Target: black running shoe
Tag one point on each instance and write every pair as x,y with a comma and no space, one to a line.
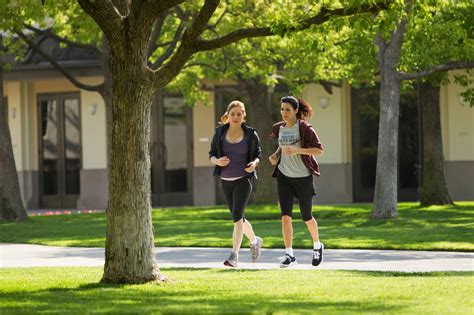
287,261
318,255
232,261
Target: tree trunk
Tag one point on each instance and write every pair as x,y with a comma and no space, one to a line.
130,251
11,206
260,117
434,190
386,179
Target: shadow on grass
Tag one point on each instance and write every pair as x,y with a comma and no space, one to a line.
202,290
160,298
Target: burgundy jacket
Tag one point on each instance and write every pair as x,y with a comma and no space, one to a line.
309,139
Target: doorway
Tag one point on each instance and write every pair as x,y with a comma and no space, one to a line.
171,151
60,149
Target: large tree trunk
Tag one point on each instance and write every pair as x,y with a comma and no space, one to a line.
11,206
386,179
260,117
434,190
130,252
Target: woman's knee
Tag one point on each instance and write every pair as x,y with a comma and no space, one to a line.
239,221
286,219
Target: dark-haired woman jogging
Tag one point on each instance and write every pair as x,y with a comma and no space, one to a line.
295,166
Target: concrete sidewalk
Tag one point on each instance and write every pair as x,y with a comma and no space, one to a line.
23,256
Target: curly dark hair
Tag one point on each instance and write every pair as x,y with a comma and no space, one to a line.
304,109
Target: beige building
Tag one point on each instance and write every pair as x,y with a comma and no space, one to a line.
59,141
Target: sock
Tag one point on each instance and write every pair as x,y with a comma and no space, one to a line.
255,241
289,251
317,245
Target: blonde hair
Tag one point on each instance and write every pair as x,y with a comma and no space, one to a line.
233,104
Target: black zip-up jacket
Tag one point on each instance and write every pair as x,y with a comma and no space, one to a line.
253,152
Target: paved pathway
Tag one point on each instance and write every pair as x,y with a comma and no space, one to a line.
22,255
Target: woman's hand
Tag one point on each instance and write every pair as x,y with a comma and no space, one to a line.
273,159
223,161
251,167
290,150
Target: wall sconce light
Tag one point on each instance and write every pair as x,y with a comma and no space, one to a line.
92,109
13,112
324,102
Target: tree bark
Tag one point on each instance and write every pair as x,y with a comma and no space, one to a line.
434,190
11,205
130,251
130,254
386,179
260,117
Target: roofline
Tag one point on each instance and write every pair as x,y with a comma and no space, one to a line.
44,70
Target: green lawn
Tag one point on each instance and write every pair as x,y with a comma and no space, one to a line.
76,290
342,226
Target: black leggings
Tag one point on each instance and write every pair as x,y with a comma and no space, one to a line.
237,193
301,188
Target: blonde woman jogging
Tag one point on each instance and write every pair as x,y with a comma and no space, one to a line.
235,152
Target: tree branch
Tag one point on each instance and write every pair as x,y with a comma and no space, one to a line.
92,88
397,36
170,49
152,46
166,73
105,14
154,7
200,22
439,68
145,9
323,16
212,26
50,34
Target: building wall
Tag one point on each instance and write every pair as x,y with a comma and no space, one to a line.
204,188
23,126
331,120
23,120
94,181
457,123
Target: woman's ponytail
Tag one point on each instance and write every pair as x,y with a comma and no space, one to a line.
304,110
